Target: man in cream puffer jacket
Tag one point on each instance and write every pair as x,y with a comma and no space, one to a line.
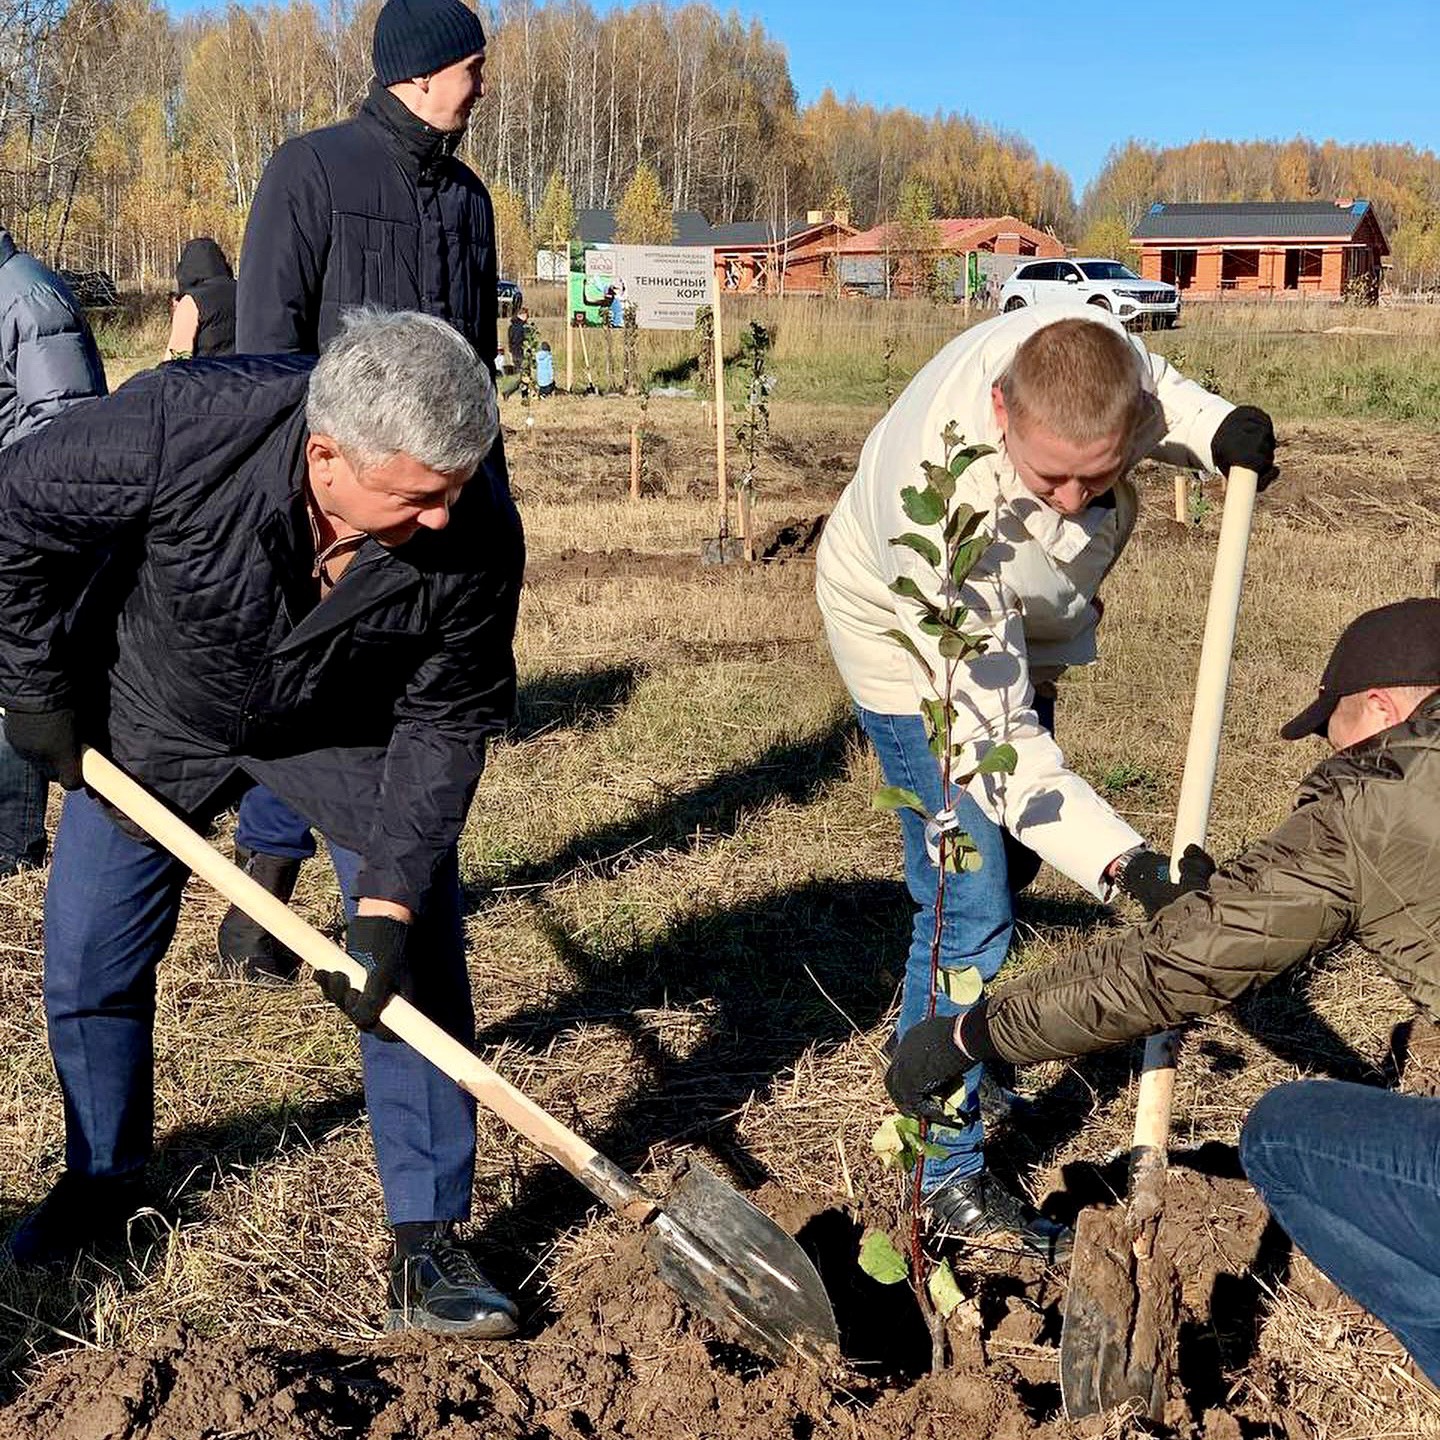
1070,402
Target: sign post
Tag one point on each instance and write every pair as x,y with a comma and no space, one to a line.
722,488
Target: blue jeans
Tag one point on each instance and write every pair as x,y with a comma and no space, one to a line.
110,913
267,824
22,811
978,921
1353,1175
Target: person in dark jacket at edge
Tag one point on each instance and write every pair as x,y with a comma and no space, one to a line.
48,362
1351,1172
324,569
376,211
202,318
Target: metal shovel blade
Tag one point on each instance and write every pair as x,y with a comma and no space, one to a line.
1120,1316
740,1269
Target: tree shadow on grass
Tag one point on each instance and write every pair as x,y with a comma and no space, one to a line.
793,771
572,700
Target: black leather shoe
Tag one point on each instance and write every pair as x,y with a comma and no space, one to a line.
81,1212
978,1207
247,950
436,1285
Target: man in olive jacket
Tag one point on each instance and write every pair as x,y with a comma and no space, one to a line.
1351,1172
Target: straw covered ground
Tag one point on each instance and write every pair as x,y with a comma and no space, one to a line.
685,930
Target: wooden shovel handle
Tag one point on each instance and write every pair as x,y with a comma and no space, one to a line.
1202,756
604,1180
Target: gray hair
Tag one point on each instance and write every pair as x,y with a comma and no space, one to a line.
400,383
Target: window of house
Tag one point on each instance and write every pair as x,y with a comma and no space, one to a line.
1177,268
1239,269
1303,269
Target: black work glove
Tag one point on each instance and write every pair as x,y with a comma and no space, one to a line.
1246,437
378,943
1145,877
49,740
927,1066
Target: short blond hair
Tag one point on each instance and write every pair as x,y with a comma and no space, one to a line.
1079,379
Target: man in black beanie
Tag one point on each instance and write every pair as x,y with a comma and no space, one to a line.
375,211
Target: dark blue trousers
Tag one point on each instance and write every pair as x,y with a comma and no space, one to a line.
267,824
22,811
110,913
1353,1175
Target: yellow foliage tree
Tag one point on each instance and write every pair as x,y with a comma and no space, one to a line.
643,216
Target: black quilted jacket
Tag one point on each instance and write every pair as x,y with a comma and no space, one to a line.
204,653
1358,858
374,211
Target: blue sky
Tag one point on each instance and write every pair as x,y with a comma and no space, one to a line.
1075,79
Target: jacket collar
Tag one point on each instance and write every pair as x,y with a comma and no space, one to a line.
422,147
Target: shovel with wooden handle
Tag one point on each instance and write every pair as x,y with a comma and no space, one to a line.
1120,1313
724,1257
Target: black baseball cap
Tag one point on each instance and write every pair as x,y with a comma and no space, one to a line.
1395,645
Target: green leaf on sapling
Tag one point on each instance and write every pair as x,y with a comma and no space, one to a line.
940,478
897,797
926,549
880,1260
913,650
967,556
964,459
963,522
924,507
905,586
997,760
944,1289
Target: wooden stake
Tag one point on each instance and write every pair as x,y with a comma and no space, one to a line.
634,462
722,487
569,344
1182,498
742,496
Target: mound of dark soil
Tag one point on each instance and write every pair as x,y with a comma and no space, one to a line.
624,1360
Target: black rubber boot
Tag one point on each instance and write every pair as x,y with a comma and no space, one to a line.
81,1213
247,950
436,1285
978,1208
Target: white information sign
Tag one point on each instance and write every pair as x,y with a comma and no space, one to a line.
665,283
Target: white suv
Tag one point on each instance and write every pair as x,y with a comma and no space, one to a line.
1107,284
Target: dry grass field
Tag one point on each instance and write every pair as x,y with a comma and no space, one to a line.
686,929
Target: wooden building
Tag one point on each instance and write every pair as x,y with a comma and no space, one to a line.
875,262
1287,249
797,258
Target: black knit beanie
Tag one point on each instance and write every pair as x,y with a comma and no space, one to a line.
419,37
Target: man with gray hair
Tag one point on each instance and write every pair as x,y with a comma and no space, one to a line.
312,570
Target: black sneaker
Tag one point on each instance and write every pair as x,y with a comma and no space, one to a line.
248,951
81,1212
978,1207
436,1285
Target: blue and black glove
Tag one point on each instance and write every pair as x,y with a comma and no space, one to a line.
377,942
1145,877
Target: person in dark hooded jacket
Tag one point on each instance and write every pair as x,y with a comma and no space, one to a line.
202,322
375,211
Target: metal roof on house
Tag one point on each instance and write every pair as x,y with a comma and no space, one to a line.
690,227
1257,220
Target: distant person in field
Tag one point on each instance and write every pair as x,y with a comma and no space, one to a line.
545,369
1070,402
375,211
202,315
48,362
1351,1172
323,571
515,337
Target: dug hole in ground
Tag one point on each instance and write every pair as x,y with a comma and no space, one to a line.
686,928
